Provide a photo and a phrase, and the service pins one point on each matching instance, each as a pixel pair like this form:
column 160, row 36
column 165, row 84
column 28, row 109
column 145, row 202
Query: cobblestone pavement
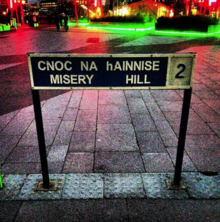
column 115, row 147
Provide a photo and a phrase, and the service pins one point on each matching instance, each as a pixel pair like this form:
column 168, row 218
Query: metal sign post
column 182, row 136
column 103, row 71
column 41, row 139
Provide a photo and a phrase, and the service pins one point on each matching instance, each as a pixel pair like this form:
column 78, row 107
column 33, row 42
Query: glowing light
column 124, row 29
column 98, row 12
column 121, row 29
column 147, row 29
column 211, row 1
column 11, row 4
column 152, row 30
column 95, row 3
column 80, row 24
column 83, row 6
column 125, row 11
column 187, row 33
column 171, row 13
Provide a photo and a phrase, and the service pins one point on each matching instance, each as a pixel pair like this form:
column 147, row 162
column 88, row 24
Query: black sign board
column 71, row 71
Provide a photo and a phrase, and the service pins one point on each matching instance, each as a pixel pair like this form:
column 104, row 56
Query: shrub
column 126, row 19
column 184, row 23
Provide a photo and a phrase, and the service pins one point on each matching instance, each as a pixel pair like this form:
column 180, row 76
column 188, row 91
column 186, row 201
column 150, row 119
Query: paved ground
column 110, row 151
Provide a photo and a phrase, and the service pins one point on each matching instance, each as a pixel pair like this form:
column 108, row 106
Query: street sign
column 118, row 71
column 105, row 71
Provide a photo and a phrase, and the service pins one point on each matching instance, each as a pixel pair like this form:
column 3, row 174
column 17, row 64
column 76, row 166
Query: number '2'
column 182, row 69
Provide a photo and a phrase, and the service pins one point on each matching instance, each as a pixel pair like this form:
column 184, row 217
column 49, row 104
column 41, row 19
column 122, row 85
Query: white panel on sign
column 181, row 69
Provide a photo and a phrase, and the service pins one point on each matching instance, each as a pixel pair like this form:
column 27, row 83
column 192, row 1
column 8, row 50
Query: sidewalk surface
column 110, row 152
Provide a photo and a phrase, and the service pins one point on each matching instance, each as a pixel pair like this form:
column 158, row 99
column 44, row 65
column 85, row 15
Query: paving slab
column 173, row 210
column 111, row 185
column 157, row 162
column 205, row 159
column 82, row 142
column 5, row 119
column 133, row 93
column 81, row 162
column 86, row 120
column 205, row 112
column 83, row 186
column 123, row 186
column 118, row 162
column 9, row 210
column 55, row 167
column 89, row 100
column 143, row 122
column 12, row 185
column 187, row 166
column 200, row 186
column 155, row 187
column 170, row 105
column 21, row 168
column 7, row 143
column 150, row 142
column 137, row 105
column 215, row 127
column 16, row 127
column 29, row 191
column 70, row 114
column 24, row 154
column 107, row 97
column 166, row 95
column 155, row 112
column 116, row 137
column 57, row 154
column 77, row 210
column 113, row 114
column 147, row 96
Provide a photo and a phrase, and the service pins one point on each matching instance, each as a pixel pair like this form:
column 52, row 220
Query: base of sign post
column 53, row 186
column 171, row 186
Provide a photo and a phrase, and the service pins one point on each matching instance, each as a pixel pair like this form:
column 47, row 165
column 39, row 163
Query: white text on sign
column 71, row 79
column 136, row 79
column 91, row 66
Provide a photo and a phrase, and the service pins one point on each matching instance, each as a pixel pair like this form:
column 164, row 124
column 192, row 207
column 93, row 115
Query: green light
column 4, row 27
column 1, row 185
column 143, row 28
column 110, row 28
column 121, row 29
column 147, row 29
column 187, row 33
column 79, row 24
